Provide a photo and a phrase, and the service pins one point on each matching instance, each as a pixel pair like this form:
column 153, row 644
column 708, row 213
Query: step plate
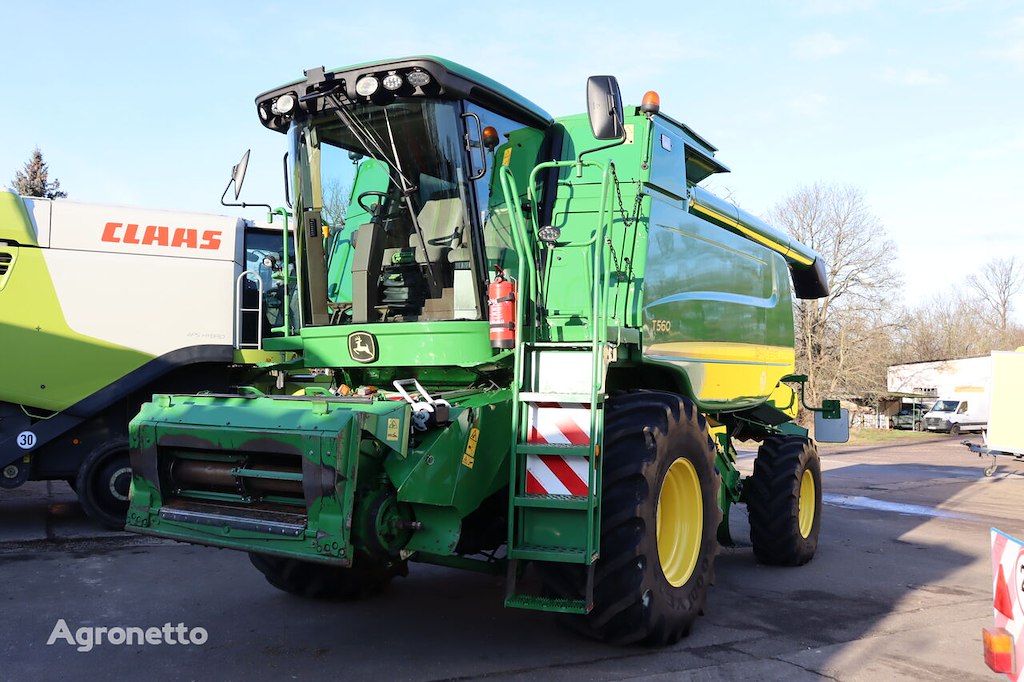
column 522, row 601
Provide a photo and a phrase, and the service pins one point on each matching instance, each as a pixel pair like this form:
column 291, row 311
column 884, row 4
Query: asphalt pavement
column 900, row 589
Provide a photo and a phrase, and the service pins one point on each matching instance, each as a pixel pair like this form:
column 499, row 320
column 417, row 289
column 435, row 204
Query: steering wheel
column 371, row 193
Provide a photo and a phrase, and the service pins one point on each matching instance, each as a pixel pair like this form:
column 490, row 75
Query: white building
column 940, row 378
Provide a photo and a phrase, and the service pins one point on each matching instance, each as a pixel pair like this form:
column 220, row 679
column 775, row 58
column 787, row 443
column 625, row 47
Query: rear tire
column 103, row 482
column 784, row 501
column 659, row 516
column 321, row 581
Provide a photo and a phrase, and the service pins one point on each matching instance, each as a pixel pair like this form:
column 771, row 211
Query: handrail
column 239, row 309
column 598, row 339
column 285, row 295
column 525, row 281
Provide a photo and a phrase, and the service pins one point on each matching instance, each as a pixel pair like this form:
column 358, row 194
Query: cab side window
column 517, row 149
column 263, row 290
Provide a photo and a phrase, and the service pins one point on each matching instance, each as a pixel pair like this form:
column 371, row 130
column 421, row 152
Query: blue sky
column 920, row 105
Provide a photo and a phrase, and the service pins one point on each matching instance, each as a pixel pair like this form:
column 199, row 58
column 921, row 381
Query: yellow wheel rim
column 805, row 514
column 680, row 522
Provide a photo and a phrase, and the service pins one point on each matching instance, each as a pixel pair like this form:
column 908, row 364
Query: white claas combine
column 102, row 306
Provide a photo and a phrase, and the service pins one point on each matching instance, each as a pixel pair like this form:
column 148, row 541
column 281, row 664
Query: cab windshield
column 391, row 188
column 945, row 406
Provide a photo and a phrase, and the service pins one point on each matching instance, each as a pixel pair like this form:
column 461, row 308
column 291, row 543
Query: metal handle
column 287, row 182
column 240, row 309
column 480, row 144
column 399, row 386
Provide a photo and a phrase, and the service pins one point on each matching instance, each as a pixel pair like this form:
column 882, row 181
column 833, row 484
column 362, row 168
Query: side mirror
column 238, row 173
column 832, row 430
column 604, row 107
column 237, row 178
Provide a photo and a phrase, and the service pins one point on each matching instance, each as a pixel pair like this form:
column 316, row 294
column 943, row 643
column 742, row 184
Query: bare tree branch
column 844, row 340
column 1001, row 279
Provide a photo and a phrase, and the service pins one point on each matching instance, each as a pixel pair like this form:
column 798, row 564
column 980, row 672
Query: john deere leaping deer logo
column 362, row 347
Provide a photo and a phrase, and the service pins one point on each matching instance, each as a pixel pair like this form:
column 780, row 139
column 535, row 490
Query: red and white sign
column 556, row 475
column 1008, row 591
column 558, row 424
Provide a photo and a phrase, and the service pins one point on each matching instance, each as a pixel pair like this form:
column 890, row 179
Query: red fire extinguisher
column 501, row 304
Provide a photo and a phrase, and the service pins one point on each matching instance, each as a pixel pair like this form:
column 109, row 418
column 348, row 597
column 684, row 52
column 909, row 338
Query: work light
column 367, row 85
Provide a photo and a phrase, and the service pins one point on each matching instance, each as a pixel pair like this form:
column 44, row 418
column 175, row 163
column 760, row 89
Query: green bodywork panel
column 714, row 308
column 15, row 223
column 339, row 450
column 33, row 325
column 438, row 470
column 409, row 344
column 318, row 439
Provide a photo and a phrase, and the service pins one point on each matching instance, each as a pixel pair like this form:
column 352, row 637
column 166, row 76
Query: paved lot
column 900, row 589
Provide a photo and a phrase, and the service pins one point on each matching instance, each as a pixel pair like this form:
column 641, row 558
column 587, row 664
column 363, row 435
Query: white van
column 965, row 410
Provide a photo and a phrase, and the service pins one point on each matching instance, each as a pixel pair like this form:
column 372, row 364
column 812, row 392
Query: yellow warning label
column 507, row 157
column 470, row 455
column 393, row 426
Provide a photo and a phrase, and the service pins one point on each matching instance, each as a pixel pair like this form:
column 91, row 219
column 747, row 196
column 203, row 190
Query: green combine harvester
column 536, row 341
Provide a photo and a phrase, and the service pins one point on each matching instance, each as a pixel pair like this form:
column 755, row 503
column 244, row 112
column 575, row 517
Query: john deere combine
column 544, row 338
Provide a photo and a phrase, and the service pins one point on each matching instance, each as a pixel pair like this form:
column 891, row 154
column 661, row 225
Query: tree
column 843, row 341
column 33, row 181
column 949, row 325
column 1001, row 279
column 943, row 328
column 335, row 204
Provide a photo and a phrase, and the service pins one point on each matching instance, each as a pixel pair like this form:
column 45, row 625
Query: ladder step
column 535, row 397
column 525, row 601
column 560, row 345
column 567, row 555
column 548, row 449
column 552, row 501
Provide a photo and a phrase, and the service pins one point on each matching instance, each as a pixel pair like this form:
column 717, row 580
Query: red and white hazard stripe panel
column 1004, row 644
column 556, row 475
column 558, row 424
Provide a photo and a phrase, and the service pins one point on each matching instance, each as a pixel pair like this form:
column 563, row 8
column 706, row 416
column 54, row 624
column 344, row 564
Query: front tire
column 103, row 483
column 784, row 501
column 659, row 515
column 321, row 581
column 954, row 430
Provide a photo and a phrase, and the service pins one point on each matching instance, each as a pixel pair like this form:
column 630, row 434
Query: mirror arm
column 242, row 204
column 829, row 408
column 616, row 143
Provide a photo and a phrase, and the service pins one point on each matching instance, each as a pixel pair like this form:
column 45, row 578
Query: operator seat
column 442, row 222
